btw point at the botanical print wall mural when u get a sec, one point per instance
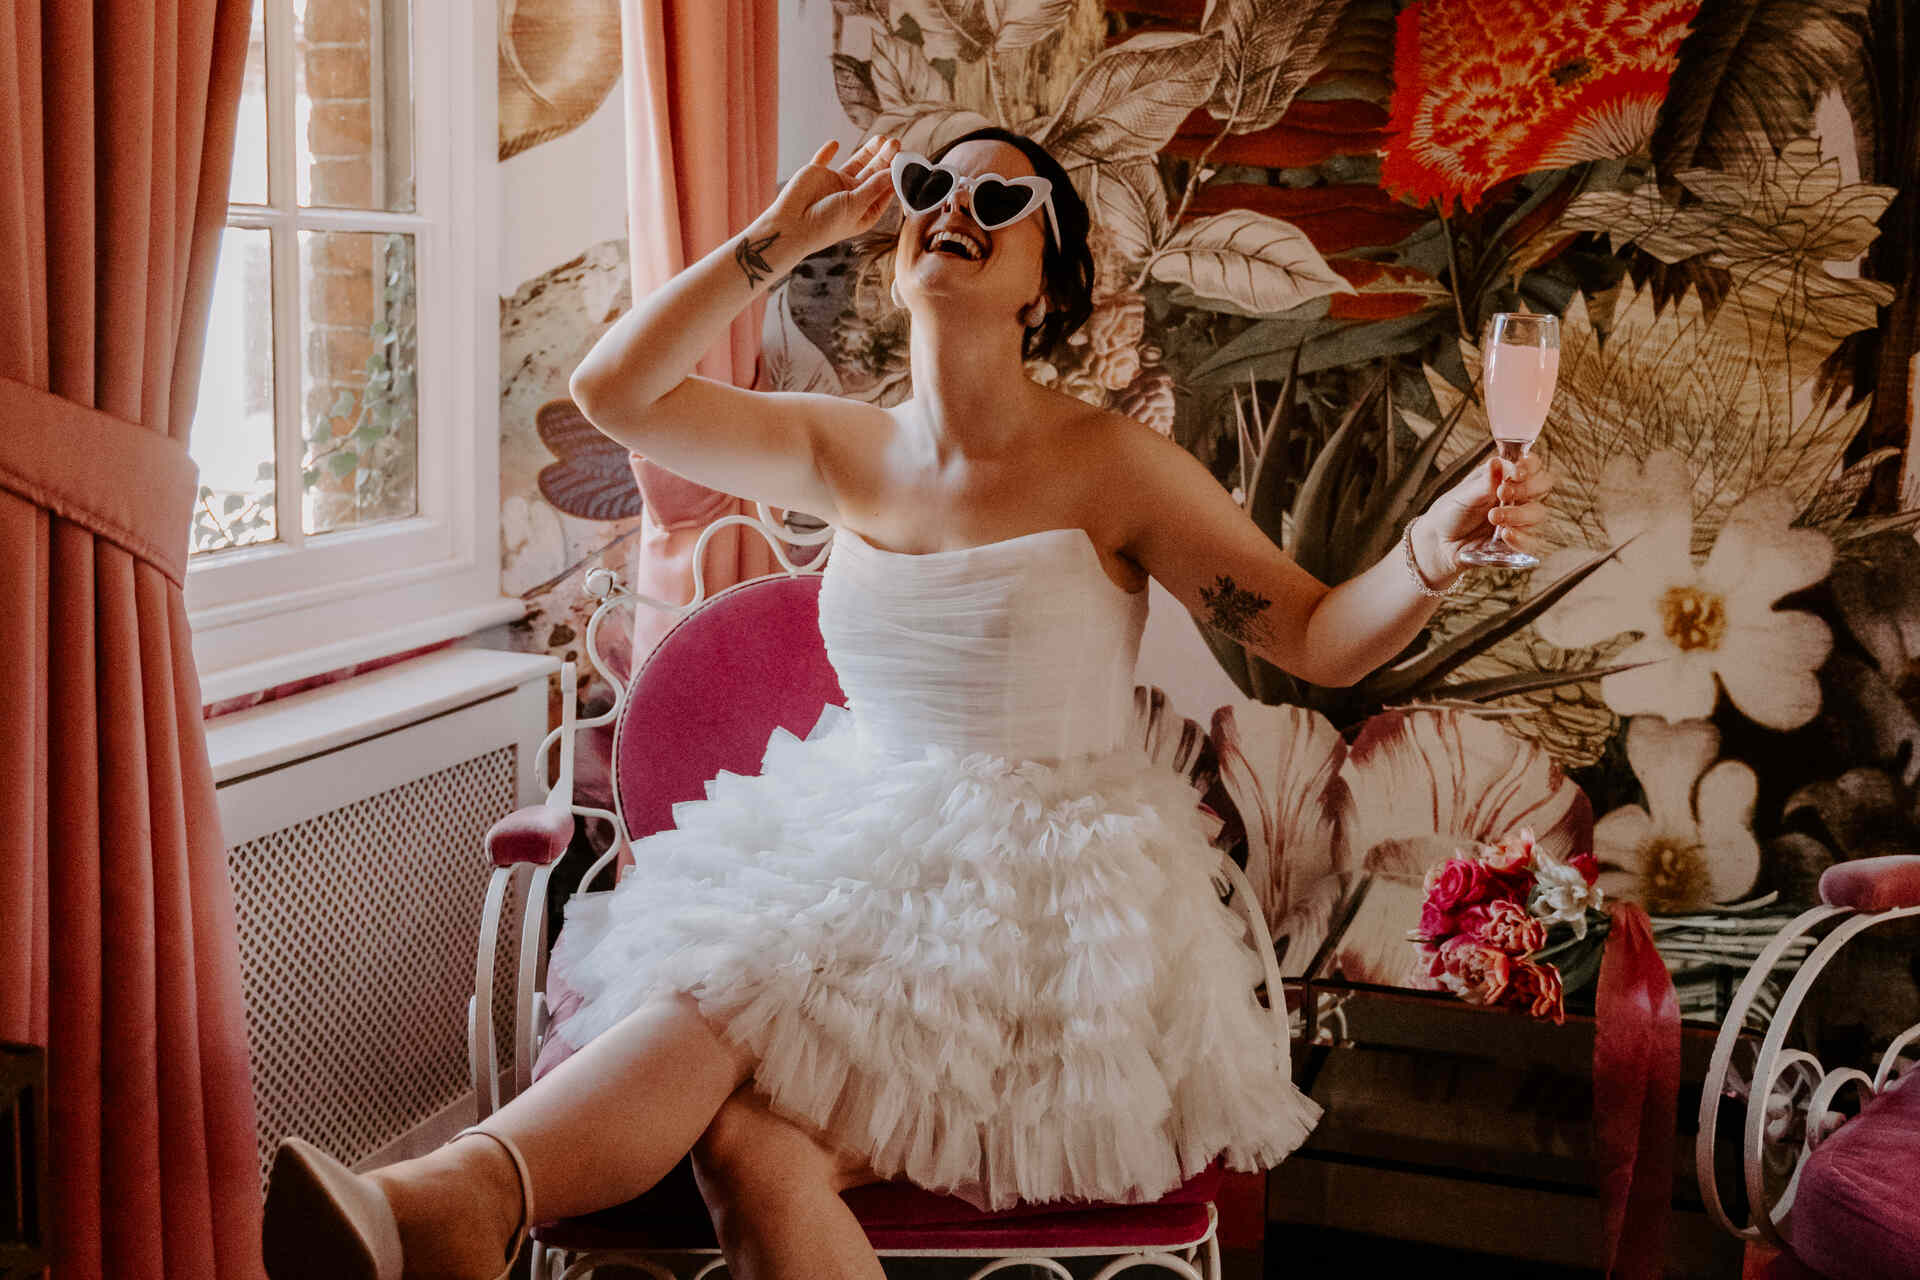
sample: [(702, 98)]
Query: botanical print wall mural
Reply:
[(559, 59), (1303, 210)]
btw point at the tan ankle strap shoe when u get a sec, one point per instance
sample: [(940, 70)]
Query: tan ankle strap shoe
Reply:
[(526, 1191)]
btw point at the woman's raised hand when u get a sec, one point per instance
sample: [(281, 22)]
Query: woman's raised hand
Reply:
[(1509, 495), (824, 203)]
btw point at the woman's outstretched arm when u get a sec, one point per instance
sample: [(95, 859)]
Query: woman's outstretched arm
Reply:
[(1209, 554), (637, 383)]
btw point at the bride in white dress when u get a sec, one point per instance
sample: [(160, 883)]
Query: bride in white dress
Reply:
[(962, 933)]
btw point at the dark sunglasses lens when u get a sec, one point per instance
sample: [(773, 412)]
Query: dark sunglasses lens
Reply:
[(997, 203), (923, 186)]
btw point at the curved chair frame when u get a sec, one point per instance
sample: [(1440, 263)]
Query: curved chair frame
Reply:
[(525, 881), (1767, 1215)]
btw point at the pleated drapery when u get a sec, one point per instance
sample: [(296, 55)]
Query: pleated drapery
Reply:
[(117, 941), (702, 105)]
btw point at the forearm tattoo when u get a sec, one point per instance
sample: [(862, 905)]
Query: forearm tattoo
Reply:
[(1236, 611), (749, 259)]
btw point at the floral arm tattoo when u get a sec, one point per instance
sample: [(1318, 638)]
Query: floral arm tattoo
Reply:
[(1236, 611), (749, 259)]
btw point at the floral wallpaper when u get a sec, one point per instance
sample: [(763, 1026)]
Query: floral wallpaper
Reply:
[(1303, 210)]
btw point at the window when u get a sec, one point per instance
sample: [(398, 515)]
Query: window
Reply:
[(346, 431)]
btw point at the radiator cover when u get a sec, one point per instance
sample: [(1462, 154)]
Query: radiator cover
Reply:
[(358, 876)]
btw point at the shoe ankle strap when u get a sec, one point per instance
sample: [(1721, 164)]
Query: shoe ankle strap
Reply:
[(526, 1183)]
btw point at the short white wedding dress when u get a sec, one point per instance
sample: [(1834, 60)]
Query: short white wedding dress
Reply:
[(966, 927)]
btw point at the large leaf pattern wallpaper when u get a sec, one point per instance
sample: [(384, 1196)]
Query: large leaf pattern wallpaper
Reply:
[(1303, 210)]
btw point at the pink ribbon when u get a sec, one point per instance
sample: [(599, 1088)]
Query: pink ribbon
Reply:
[(1636, 1087)]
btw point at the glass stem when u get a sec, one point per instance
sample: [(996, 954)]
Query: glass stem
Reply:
[(1510, 453)]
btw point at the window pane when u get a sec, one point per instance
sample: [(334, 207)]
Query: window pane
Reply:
[(360, 405), (250, 141), (353, 103), (233, 424)]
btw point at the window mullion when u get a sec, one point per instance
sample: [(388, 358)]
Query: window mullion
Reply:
[(282, 194)]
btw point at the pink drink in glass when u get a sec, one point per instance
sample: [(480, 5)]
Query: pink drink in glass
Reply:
[(1520, 364), (1519, 383)]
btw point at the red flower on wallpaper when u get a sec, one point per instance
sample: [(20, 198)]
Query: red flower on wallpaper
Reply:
[(1486, 90)]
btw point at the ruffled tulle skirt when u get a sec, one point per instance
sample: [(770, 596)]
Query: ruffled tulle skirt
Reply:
[(1003, 980)]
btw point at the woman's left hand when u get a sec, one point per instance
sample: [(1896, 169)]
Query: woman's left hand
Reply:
[(1497, 495)]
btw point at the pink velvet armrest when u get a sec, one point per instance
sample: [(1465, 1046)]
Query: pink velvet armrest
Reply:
[(1873, 884), (538, 834)]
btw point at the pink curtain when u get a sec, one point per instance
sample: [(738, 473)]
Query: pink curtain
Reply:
[(117, 942), (702, 93)]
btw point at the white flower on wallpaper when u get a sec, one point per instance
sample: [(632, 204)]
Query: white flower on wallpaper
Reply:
[(1703, 627), (1692, 844), (1413, 789)]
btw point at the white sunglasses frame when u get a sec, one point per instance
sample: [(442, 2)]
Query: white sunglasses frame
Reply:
[(966, 183)]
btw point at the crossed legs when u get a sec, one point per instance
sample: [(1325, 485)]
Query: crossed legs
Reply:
[(611, 1121), (773, 1190)]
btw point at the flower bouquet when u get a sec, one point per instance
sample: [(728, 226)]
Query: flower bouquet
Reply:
[(1484, 926)]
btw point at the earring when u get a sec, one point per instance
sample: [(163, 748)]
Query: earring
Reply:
[(898, 301), (1034, 313)]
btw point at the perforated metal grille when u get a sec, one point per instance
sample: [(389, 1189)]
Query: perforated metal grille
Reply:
[(357, 936)]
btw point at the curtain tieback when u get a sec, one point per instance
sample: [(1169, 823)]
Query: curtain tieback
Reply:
[(123, 482)]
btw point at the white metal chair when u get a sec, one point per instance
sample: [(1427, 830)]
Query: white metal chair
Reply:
[(1791, 1095), (770, 627)]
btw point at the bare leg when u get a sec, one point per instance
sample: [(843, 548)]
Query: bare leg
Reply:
[(599, 1129), (773, 1190)]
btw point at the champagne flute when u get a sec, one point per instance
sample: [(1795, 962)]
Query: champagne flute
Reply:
[(1520, 358)]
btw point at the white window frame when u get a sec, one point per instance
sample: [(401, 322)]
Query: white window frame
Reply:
[(281, 611)]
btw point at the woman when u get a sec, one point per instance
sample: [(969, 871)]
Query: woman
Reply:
[(963, 932)]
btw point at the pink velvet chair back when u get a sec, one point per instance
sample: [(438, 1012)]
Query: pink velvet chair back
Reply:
[(713, 690)]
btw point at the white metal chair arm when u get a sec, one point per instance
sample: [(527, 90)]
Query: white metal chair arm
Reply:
[(1772, 1064)]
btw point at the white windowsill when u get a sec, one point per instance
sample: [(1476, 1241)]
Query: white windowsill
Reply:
[(231, 682), (305, 724)]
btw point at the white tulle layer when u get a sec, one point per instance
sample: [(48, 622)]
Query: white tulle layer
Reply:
[(1007, 981)]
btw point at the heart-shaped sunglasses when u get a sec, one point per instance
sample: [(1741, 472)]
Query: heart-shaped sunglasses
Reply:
[(992, 200)]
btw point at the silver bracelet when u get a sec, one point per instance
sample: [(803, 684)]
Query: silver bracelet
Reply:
[(1420, 582)]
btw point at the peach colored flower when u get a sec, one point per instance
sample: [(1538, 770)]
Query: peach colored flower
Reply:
[(1475, 972), (1537, 989), (1507, 926), (1511, 856)]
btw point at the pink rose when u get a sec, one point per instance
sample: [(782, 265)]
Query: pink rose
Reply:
[(1509, 927), (1436, 923), (1535, 988), (1587, 865), (1477, 974), (1459, 882)]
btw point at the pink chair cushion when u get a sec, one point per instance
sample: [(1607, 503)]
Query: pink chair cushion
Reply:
[(1855, 1215), (673, 1216), (712, 692), (1873, 884), (536, 834)]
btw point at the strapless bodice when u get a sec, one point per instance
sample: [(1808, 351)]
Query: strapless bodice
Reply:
[(1022, 648)]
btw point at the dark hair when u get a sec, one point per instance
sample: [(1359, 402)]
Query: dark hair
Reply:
[(1067, 267)]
